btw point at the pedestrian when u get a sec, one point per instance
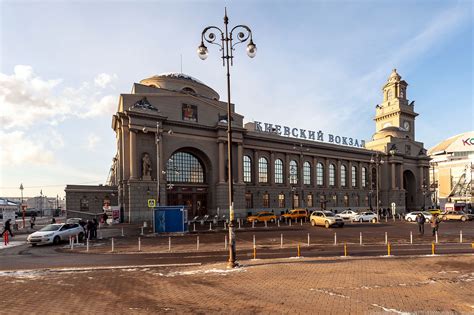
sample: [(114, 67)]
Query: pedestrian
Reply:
[(420, 219), (32, 221), (7, 227), (94, 228), (435, 224), (105, 217), (384, 212), (53, 221), (89, 227)]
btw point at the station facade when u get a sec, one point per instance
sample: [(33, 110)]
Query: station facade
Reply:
[(171, 138)]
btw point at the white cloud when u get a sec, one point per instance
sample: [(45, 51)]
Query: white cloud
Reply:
[(92, 141), (104, 79), (106, 106), (17, 149)]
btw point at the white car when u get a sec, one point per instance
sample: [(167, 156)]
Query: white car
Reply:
[(366, 217), (347, 215), (55, 233), (411, 217)]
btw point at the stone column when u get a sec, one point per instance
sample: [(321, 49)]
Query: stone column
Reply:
[(338, 174), (133, 155), (349, 177), (255, 167), (221, 162), (359, 173), (240, 161), (314, 174), (125, 153), (401, 176), (393, 175), (326, 173), (286, 170), (421, 177), (271, 170)]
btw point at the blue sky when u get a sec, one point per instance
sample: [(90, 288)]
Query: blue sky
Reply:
[(320, 65)]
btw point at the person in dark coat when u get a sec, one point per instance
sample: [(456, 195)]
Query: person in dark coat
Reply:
[(94, 228), (7, 227), (53, 221), (420, 219), (89, 227)]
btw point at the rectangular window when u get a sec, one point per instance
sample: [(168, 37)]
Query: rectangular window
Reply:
[(319, 174), (247, 169), (309, 200), (190, 112), (364, 177), (281, 201), (266, 200), (354, 176), (249, 200), (296, 201)]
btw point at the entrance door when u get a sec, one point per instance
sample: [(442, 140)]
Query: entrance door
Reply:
[(194, 200), (409, 184)]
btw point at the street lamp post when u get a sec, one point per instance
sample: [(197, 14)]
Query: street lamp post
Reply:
[(227, 46), (377, 160), (21, 205), (424, 194)]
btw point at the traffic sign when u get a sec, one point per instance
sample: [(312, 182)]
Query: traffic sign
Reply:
[(151, 203)]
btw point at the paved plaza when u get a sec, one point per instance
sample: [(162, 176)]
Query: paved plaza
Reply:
[(422, 285)]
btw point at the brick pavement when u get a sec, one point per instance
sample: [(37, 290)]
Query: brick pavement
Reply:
[(282, 286)]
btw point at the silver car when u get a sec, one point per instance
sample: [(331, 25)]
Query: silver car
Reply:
[(55, 233)]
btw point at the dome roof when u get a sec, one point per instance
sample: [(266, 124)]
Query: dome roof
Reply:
[(459, 143), (394, 76), (180, 82), (391, 131)]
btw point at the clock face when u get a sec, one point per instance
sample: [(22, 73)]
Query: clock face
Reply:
[(406, 125)]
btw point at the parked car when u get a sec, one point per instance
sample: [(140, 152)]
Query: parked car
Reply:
[(262, 216), (74, 220), (295, 214), (456, 215), (435, 211), (411, 217), (325, 218), (55, 233), (367, 216), (347, 215)]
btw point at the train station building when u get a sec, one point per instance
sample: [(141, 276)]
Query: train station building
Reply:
[(171, 145)]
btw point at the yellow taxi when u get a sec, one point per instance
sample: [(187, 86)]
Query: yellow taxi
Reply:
[(261, 216), (295, 214), (435, 211)]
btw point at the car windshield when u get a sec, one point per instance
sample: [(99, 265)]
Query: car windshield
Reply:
[(51, 227), (329, 214)]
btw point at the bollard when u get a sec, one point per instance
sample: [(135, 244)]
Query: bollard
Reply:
[(225, 242), (239, 223), (112, 244), (411, 237), (436, 237), (254, 252), (197, 243), (460, 236), (72, 242), (253, 224), (308, 239), (388, 249), (225, 226), (139, 244), (281, 240), (141, 233), (278, 223), (122, 233), (386, 238), (194, 227), (87, 245), (432, 248), (299, 250), (254, 240), (304, 219), (360, 238), (5, 238), (386, 219), (169, 244), (210, 226), (345, 249), (99, 234), (290, 222), (266, 223), (335, 238), (301, 222), (77, 239)]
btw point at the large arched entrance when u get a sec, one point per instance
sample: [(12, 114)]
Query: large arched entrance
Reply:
[(409, 184), (186, 183)]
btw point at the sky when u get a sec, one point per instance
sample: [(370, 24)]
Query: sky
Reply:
[(320, 65)]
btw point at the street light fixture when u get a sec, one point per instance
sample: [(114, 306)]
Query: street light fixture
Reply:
[(23, 210), (377, 160), (227, 46)]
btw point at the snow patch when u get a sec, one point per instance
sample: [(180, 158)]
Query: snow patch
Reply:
[(391, 310), (201, 271)]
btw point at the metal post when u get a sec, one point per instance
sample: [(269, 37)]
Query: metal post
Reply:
[(197, 243), (281, 240), (254, 240), (194, 227), (169, 243), (87, 245), (345, 249), (225, 242), (411, 237), (386, 238), (308, 239), (460, 236), (239, 224), (158, 171), (122, 232), (253, 224), (139, 245), (436, 237), (265, 223), (301, 222), (335, 238), (113, 244), (278, 221), (210, 226), (299, 250), (360, 238)]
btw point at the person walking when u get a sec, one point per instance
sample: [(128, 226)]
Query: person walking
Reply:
[(94, 228), (53, 221), (32, 221), (420, 219), (435, 224), (7, 227)]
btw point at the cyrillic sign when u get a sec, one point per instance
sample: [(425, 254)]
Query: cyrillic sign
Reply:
[(468, 141)]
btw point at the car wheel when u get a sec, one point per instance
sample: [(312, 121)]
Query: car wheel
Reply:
[(444, 218), (56, 240), (33, 244), (463, 219), (409, 220), (361, 220), (326, 225), (313, 223), (374, 220)]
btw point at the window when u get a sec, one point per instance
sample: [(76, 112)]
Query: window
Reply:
[(309, 200), (322, 201), (262, 170), (184, 167), (281, 200), (307, 173), (357, 201), (247, 169), (374, 178), (84, 204), (366, 201), (320, 174), (332, 175), (293, 172), (343, 176), (266, 200), (334, 199), (364, 177), (389, 94), (249, 200), (346, 200), (278, 171), (296, 200), (354, 176)]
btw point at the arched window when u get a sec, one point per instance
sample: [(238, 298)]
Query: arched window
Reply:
[(281, 200), (247, 169), (266, 200), (184, 167), (332, 175), (346, 200), (364, 177), (278, 171), (262, 170), (389, 94), (306, 173), (293, 172), (354, 176), (188, 90), (320, 174), (343, 176)]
